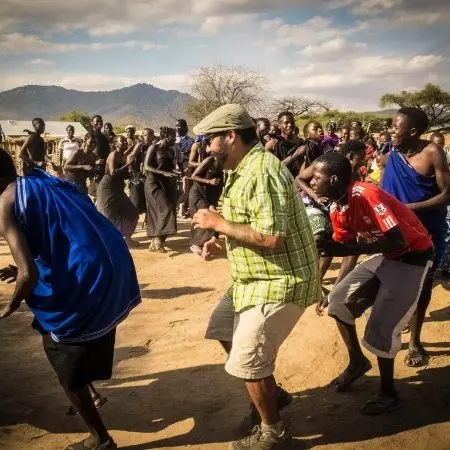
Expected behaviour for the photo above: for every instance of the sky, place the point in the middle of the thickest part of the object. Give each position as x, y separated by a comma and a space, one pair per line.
346, 52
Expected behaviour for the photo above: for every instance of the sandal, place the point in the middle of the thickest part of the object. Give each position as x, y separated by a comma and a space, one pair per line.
347, 377
108, 445
380, 404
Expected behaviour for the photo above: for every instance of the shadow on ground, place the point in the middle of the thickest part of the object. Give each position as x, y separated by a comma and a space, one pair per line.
216, 404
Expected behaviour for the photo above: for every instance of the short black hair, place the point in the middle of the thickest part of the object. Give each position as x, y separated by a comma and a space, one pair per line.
385, 134
416, 117
248, 135
285, 113
353, 147
150, 130
182, 122
97, 116
335, 163
331, 126
107, 124
38, 119
7, 167
70, 126
358, 131
167, 131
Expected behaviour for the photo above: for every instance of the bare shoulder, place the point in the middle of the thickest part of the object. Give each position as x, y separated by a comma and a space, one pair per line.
434, 152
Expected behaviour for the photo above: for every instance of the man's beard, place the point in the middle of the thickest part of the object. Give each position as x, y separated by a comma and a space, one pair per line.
222, 155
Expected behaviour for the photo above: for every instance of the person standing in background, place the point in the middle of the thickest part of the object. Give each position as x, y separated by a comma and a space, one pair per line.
184, 143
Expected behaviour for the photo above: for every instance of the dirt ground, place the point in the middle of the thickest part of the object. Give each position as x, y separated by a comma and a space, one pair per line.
170, 390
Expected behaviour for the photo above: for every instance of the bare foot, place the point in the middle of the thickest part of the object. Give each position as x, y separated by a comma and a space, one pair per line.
354, 371
417, 356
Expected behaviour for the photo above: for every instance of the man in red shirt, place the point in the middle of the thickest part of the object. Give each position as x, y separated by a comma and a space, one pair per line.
368, 221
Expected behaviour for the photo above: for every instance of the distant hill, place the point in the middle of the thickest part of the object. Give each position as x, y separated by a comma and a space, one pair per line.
142, 104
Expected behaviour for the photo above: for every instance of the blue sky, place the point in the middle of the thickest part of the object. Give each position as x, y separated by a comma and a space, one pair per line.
348, 52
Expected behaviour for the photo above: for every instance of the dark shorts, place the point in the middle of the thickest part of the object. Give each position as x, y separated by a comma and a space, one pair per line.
82, 363
221, 322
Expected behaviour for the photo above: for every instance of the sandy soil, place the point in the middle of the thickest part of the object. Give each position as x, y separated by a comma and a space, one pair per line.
170, 390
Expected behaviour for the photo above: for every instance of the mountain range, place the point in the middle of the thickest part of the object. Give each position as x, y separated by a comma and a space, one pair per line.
141, 104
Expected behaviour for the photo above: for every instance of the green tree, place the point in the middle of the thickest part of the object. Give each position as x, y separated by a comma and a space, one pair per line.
77, 116
431, 99
372, 123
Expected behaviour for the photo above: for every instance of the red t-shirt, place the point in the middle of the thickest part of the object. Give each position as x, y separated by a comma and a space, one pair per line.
370, 213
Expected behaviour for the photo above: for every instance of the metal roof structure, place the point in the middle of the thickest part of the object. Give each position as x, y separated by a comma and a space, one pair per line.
14, 128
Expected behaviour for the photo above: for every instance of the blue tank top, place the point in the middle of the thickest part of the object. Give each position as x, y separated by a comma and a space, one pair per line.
402, 181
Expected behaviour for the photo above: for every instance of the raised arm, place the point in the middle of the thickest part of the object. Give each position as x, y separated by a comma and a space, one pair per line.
27, 272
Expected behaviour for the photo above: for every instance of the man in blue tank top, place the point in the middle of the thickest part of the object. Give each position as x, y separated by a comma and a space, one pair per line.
77, 277
417, 173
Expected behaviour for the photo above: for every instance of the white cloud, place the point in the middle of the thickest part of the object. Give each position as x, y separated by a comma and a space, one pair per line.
333, 48
362, 80
20, 43
105, 17
39, 62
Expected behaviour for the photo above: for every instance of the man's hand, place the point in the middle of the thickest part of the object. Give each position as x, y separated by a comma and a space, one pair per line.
213, 248
10, 308
207, 219
9, 274
321, 305
215, 181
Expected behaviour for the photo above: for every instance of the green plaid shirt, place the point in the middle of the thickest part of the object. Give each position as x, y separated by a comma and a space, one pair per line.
260, 192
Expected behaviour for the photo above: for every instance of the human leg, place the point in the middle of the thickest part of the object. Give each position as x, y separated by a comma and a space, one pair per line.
417, 355
77, 365
348, 300
394, 305
258, 335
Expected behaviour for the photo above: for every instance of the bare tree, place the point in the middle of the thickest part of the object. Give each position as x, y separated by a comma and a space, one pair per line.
218, 85
297, 105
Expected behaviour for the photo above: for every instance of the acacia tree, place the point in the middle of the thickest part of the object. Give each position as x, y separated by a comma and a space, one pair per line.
431, 99
297, 105
77, 116
218, 85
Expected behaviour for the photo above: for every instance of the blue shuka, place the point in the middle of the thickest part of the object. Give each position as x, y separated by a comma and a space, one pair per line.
87, 280
402, 181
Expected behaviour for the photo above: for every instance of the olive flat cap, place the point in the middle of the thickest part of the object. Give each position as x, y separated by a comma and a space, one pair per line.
224, 118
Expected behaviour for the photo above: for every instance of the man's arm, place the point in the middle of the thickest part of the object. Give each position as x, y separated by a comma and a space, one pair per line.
393, 241
27, 272
439, 162
270, 145
242, 232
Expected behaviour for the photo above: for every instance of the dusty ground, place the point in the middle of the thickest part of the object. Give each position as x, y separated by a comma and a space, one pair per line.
170, 390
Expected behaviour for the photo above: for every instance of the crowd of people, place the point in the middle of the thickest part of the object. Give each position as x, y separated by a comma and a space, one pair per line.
286, 204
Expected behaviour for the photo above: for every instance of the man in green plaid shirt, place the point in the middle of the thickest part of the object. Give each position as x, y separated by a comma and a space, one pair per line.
274, 264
